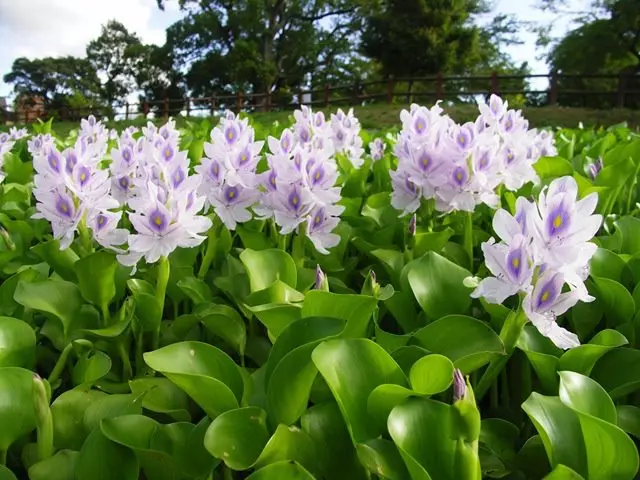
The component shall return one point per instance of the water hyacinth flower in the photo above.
(376, 149)
(461, 166)
(299, 189)
(594, 168)
(543, 256)
(227, 173)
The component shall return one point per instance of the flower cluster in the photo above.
(376, 149)
(340, 135)
(544, 247)
(299, 188)
(460, 166)
(7, 140)
(153, 178)
(227, 172)
(72, 190)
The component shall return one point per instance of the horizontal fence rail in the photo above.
(613, 91)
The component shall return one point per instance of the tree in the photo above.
(260, 45)
(606, 40)
(60, 82)
(416, 37)
(113, 56)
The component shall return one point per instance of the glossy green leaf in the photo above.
(148, 311)
(619, 306)
(196, 290)
(192, 456)
(59, 298)
(61, 466)
(280, 470)
(585, 396)
(17, 343)
(629, 419)
(543, 356)
(109, 406)
(422, 430)
(238, 437)
(431, 374)
(552, 167)
(582, 359)
(607, 264)
(467, 342)
(17, 415)
(162, 396)
(60, 260)
(618, 371)
(91, 367)
(102, 459)
(385, 398)
(277, 316)
(629, 229)
(431, 241)
(68, 411)
(208, 375)
(337, 456)
(6, 474)
(353, 368)
(381, 457)
(224, 322)
(355, 310)
(437, 285)
(498, 439)
(289, 443)
(562, 472)
(96, 277)
(266, 266)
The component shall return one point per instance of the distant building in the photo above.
(29, 109)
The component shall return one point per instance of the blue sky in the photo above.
(38, 28)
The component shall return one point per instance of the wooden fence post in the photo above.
(390, 86)
(622, 86)
(495, 88)
(126, 111)
(553, 89)
(239, 102)
(409, 96)
(188, 106)
(300, 98)
(327, 93)
(356, 91)
(439, 87)
(213, 104)
(268, 101)
(145, 108)
(166, 107)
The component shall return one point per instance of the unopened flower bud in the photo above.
(322, 283)
(459, 385)
(371, 286)
(8, 241)
(412, 225)
(471, 282)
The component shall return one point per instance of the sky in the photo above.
(39, 28)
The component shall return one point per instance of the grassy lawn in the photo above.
(382, 116)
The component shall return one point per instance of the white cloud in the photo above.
(39, 28)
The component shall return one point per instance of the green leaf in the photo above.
(68, 412)
(122, 321)
(337, 456)
(629, 230)
(381, 457)
(226, 323)
(192, 456)
(582, 359)
(618, 371)
(562, 472)
(289, 443)
(17, 343)
(559, 428)
(96, 277)
(60, 260)
(148, 311)
(586, 396)
(196, 290)
(422, 430)
(431, 374)
(6, 474)
(266, 266)
(467, 342)
(61, 466)
(619, 306)
(110, 406)
(280, 470)
(58, 298)
(437, 285)
(607, 264)
(208, 375)
(355, 310)
(91, 367)
(552, 167)
(498, 438)
(17, 414)
(102, 459)
(238, 437)
(431, 241)
(629, 419)
(353, 368)
(162, 396)
(385, 398)
(543, 356)
(277, 316)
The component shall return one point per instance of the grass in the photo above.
(382, 116)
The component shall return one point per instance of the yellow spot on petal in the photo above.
(317, 219)
(157, 220)
(515, 262)
(295, 200)
(545, 296)
(83, 177)
(557, 222)
(459, 176)
(231, 194)
(64, 207)
(317, 175)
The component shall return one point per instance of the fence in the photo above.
(618, 91)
